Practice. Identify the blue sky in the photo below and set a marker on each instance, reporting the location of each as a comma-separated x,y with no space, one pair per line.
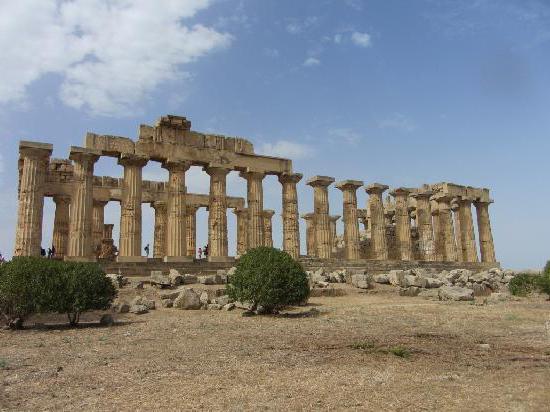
396,92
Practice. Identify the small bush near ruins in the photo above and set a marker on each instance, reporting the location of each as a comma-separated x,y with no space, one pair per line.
523,284
544,280
269,278
30,285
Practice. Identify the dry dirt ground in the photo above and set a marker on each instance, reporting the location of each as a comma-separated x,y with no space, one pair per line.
344,358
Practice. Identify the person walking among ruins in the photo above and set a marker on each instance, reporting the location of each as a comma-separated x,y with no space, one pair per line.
200,253
205,251
146,248
53,251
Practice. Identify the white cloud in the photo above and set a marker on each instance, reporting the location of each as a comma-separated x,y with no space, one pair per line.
397,121
311,61
110,54
295,26
361,39
338,38
286,149
344,135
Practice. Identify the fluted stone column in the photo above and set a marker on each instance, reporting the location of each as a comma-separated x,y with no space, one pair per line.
333,221
378,227
424,226
130,208
351,221
176,245
455,211
191,228
28,236
323,236
60,239
98,220
439,239
403,223
446,227
467,235
486,245
217,215
311,246
242,220
255,205
80,220
159,237
291,225
108,248
268,227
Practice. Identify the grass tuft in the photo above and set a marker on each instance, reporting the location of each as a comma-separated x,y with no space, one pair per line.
400,351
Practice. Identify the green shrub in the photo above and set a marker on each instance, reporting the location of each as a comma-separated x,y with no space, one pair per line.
543,283
83,287
546,270
269,278
522,284
30,285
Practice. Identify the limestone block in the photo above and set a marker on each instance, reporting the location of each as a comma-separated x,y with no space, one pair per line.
455,293
396,277
429,294
187,299
432,283
204,298
362,281
159,279
214,306
383,278
138,309
143,301
409,291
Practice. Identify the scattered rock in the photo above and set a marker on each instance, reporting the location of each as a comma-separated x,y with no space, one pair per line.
455,293
189,279
364,281
433,283
231,271
214,306
121,307
118,280
383,278
204,298
167,303
410,291
138,309
429,294
187,299
229,306
141,300
223,300
157,278
484,346
395,277
175,277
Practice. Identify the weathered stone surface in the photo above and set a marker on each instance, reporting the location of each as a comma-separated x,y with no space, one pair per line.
364,281
433,283
176,278
396,277
229,306
455,293
118,280
157,278
187,299
409,291
214,306
204,298
429,294
138,309
167,303
140,300
121,307
383,278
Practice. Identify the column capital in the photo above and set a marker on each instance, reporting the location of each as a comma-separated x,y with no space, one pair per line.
82,154
320,181
334,218
422,194
376,188
159,204
269,213
35,149
401,191
131,159
189,209
61,199
290,177
483,202
99,202
307,216
240,210
250,174
173,165
344,185
216,170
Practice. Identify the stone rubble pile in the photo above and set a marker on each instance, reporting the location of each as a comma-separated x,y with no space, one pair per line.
322,278
457,284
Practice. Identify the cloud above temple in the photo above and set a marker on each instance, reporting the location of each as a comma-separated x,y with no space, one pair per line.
108,55
286,149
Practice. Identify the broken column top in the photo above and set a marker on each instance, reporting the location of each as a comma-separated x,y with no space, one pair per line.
349,184
320,181
401,191
35,148
307,216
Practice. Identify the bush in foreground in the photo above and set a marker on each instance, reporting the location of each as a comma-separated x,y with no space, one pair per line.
31,285
269,278
522,284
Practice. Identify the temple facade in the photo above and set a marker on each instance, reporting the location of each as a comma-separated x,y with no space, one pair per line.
433,223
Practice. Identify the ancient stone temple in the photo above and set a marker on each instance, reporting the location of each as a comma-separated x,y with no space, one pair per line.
430,225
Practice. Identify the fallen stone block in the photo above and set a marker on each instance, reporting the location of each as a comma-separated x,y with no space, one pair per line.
429,294
187,299
383,278
362,281
456,293
410,291
138,309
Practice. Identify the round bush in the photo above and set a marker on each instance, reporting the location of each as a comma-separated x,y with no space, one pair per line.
269,278
522,284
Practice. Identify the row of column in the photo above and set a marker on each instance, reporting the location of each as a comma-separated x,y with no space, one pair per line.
437,220
78,231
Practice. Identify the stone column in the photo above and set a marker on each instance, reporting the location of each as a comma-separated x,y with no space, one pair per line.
60,239
320,186
403,223
486,245
191,228
217,214
242,219
159,247
424,225
446,227
291,226
311,245
98,221
333,220
467,235
268,229
378,227
108,248
176,247
108,231
255,203
80,220
351,221
455,209
34,158
439,242
130,208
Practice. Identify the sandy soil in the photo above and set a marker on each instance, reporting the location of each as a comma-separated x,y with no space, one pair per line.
345,358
